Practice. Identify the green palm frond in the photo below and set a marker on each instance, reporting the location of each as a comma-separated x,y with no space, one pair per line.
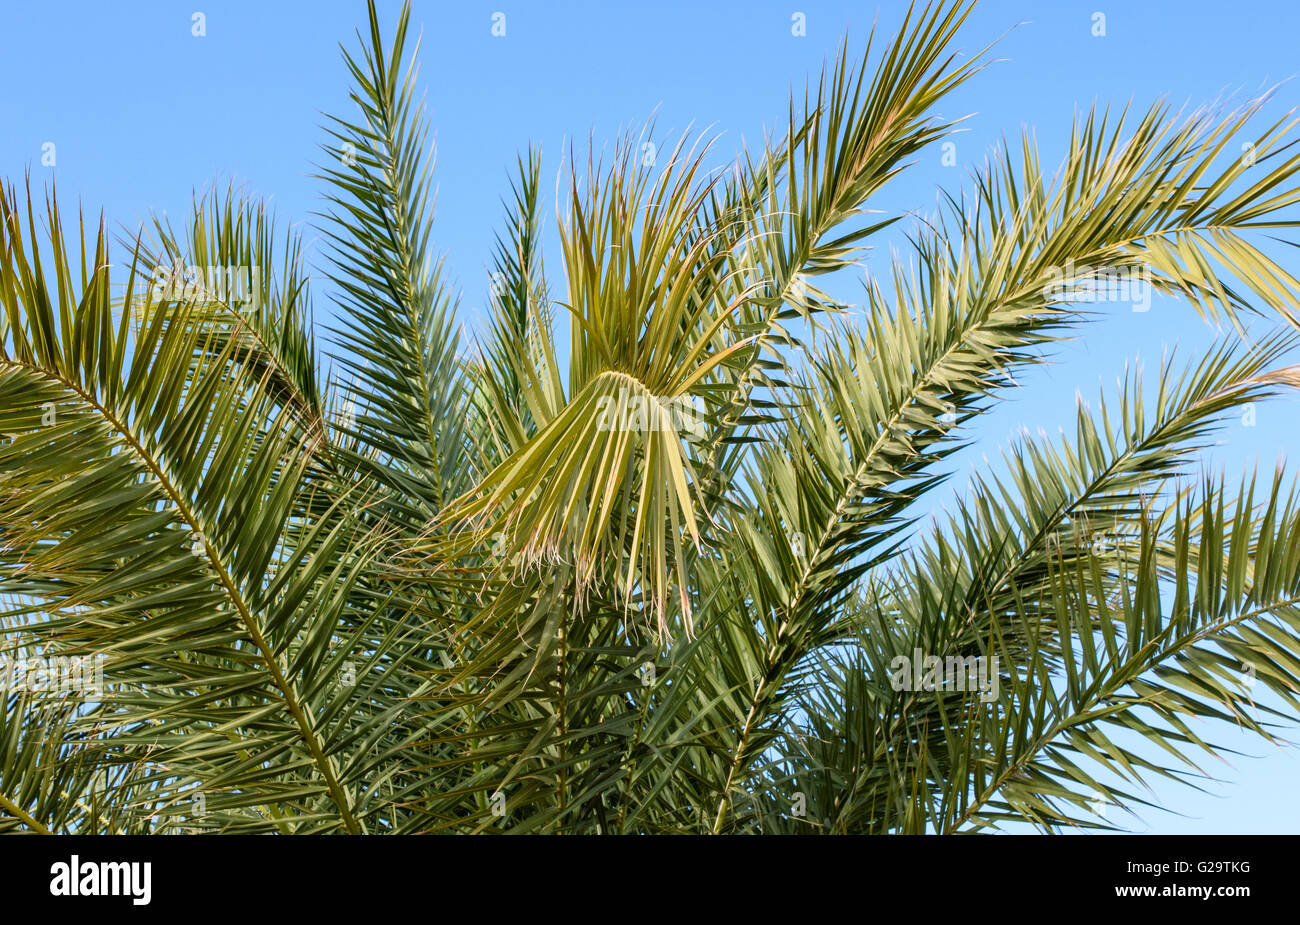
675,577
225,261
985,585
156,515
400,339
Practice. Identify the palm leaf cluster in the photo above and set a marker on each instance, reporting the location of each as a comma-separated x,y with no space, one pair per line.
657,579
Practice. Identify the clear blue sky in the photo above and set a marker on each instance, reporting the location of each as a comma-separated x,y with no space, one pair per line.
142,113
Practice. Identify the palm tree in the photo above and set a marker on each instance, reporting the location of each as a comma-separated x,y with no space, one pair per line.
410,584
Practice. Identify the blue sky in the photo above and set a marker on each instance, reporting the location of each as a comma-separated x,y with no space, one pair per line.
142,113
